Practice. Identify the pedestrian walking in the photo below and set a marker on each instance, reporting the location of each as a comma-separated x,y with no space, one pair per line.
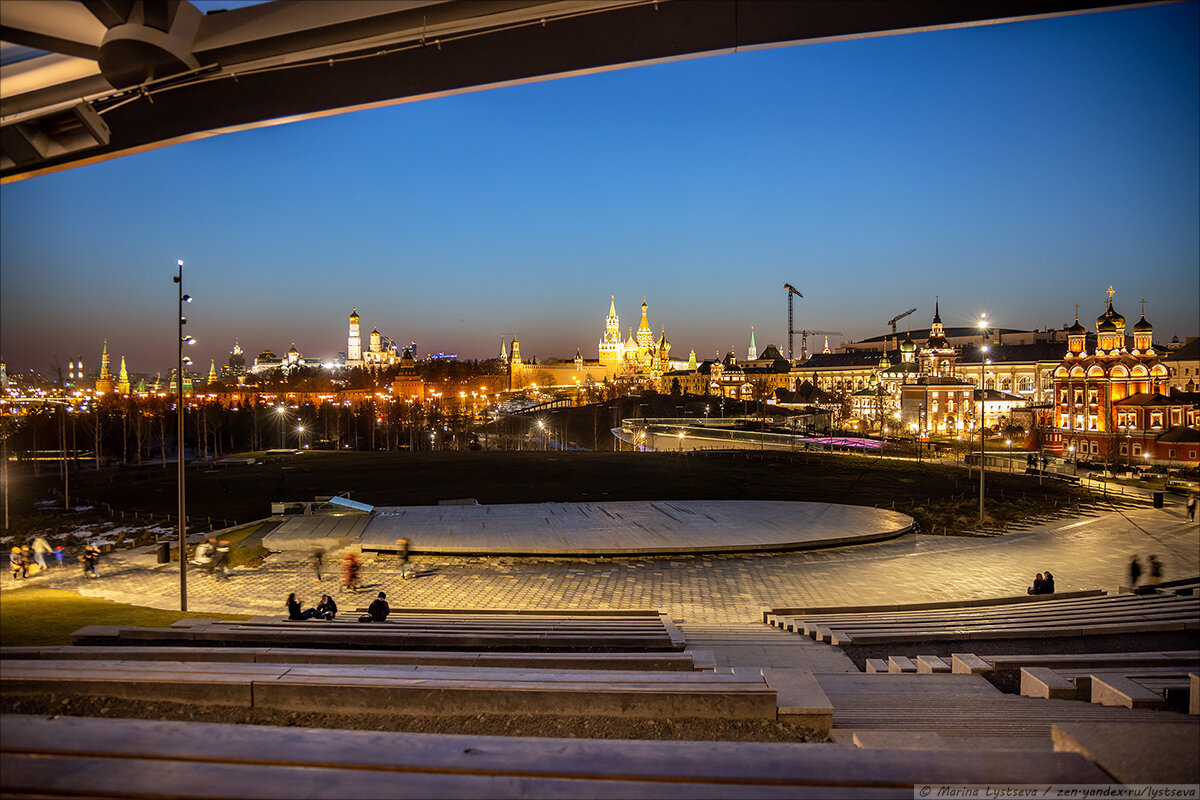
89,558
26,560
350,573
14,563
59,553
220,562
40,548
1155,570
1135,572
316,554
1191,507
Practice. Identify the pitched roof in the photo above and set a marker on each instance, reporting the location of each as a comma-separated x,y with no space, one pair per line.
1189,352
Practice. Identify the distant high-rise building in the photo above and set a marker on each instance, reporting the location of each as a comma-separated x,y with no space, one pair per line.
237,360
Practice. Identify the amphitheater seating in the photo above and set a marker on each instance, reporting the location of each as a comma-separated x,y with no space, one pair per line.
670,661
1004,619
562,631
133,758
403,689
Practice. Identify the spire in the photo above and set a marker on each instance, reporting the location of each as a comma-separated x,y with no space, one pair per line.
212,370
612,306
123,379
503,351
937,316
826,350
752,353
105,383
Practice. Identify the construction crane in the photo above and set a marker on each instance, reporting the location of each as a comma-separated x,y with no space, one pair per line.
896,319
792,290
804,340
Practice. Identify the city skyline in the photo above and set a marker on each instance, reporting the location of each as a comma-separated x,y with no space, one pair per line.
1012,169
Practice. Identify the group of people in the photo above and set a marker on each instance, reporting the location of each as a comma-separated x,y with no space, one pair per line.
327,609
1043,583
212,556
28,559
1135,571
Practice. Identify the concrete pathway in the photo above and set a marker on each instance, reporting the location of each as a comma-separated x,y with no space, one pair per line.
1084,553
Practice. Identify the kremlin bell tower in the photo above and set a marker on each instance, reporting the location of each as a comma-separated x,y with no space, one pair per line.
354,342
105,383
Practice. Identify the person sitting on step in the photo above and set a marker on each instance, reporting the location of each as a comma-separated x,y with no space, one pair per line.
378,610
1037,585
1048,583
327,608
293,609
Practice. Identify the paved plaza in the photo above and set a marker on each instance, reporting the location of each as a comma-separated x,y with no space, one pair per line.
1087,552
637,527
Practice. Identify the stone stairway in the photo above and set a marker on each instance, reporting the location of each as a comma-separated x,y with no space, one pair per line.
756,645
963,709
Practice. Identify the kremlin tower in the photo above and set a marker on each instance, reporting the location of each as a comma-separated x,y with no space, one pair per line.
123,379
354,341
105,383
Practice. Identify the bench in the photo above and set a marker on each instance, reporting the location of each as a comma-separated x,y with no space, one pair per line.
931,665
901,664
403,689
136,758
1118,690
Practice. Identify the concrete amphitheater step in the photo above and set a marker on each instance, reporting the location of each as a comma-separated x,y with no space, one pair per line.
957,706
755,645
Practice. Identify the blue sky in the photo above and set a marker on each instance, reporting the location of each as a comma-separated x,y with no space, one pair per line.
1015,169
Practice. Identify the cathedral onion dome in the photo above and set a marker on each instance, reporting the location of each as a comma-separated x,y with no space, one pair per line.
354,314
908,346
1142,326
1076,329
884,363
1111,318
293,349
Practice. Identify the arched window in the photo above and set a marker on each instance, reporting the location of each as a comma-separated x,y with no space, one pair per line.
990,383
1006,384
1025,384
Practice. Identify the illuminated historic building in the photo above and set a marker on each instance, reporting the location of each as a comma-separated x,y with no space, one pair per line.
407,385
353,341
105,383
123,379
266,361
1115,398
612,349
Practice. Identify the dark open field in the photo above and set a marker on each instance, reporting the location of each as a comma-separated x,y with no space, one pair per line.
935,494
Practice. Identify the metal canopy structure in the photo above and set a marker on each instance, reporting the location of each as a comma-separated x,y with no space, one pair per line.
86,80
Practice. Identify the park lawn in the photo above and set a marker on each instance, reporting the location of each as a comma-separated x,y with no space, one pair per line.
33,617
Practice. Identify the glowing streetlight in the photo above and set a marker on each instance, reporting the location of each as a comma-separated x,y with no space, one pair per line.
181,340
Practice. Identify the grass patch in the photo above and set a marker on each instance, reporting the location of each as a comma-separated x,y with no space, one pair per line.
33,617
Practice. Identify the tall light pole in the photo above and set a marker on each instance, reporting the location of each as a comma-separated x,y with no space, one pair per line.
982,399
182,340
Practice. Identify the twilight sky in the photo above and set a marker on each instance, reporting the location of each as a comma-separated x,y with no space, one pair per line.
1015,169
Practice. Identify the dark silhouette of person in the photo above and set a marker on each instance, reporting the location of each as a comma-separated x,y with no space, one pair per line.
378,610
293,608
1135,572
1037,585
1048,583
350,573
1155,571
327,608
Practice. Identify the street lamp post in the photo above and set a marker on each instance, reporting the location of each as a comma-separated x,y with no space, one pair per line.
982,399
182,340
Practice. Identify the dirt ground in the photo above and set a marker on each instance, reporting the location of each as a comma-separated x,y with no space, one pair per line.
592,727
